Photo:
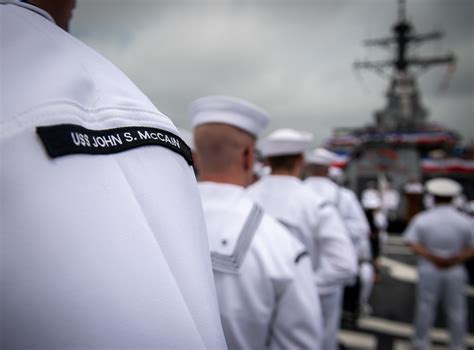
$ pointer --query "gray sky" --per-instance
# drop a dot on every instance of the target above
(292, 57)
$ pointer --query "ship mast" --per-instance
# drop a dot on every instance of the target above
(404, 111)
(403, 37)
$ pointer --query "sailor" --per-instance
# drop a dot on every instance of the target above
(313, 220)
(372, 205)
(443, 238)
(103, 240)
(390, 203)
(263, 274)
(413, 192)
(318, 162)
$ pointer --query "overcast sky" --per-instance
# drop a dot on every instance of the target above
(292, 57)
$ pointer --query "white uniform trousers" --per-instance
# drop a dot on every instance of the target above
(366, 276)
(331, 307)
(447, 285)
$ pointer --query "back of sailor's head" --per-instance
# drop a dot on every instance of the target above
(225, 129)
(284, 148)
(284, 142)
(318, 161)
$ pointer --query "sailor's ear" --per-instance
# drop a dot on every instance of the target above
(249, 157)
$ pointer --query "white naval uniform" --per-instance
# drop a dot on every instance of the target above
(267, 300)
(445, 232)
(319, 226)
(101, 251)
(348, 207)
(355, 222)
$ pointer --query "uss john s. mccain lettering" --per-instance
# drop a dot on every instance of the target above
(111, 140)
(65, 139)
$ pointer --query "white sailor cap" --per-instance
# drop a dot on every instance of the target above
(285, 142)
(443, 187)
(319, 156)
(229, 110)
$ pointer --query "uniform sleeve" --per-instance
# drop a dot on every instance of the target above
(298, 320)
(355, 220)
(471, 233)
(338, 260)
(412, 234)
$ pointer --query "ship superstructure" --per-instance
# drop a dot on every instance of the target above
(401, 145)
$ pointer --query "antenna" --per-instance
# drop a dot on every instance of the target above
(404, 37)
(401, 10)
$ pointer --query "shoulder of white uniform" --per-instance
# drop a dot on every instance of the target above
(73, 64)
(348, 192)
(422, 217)
(311, 201)
(463, 217)
(228, 251)
(278, 241)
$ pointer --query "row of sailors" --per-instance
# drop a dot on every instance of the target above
(106, 247)
(282, 249)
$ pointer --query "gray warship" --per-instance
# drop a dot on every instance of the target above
(401, 145)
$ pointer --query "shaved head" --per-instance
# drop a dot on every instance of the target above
(223, 150)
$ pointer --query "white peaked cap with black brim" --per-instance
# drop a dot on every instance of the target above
(229, 110)
(320, 156)
(283, 142)
(443, 187)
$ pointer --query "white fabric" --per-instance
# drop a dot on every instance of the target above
(443, 187)
(371, 199)
(442, 229)
(272, 303)
(229, 110)
(445, 285)
(320, 156)
(413, 187)
(103, 251)
(287, 199)
(390, 199)
(285, 142)
(366, 276)
(331, 306)
(348, 207)
(357, 229)
(444, 232)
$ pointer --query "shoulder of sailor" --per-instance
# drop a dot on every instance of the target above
(278, 241)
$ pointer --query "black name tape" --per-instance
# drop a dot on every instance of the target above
(65, 139)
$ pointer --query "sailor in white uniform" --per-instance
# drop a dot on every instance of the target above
(263, 274)
(313, 220)
(345, 201)
(103, 240)
(443, 238)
